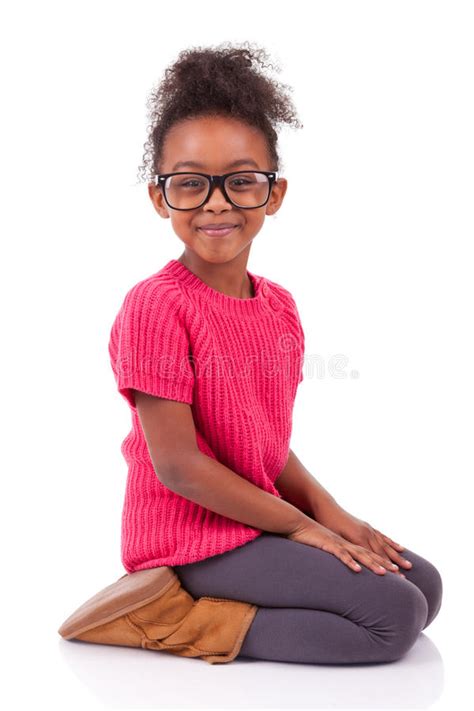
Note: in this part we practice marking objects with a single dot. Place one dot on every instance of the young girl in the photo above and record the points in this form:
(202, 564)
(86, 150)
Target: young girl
(209, 356)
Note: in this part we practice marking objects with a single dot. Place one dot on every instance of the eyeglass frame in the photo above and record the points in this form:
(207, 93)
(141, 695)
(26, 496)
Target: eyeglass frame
(219, 181)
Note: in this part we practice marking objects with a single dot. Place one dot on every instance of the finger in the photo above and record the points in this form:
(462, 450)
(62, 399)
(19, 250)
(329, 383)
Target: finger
(397, 558)
(379, 556)
(381, 564)
(391, 542)
(344, 555)
(383, 554)
(351, 563)
(371, 561)
(393, 554)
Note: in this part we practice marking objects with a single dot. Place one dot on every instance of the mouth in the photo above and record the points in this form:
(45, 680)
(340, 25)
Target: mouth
(219, 232)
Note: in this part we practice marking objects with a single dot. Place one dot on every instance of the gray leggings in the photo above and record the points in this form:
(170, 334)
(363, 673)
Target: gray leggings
(313, 608)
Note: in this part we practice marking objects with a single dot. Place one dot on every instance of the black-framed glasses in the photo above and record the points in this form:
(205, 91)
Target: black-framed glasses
(245, 189)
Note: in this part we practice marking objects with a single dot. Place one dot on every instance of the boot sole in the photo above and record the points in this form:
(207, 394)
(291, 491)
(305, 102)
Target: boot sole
(131, 591)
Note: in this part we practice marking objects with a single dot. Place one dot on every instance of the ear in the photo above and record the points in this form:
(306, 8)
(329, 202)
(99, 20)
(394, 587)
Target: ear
(157, 198)
(279, 189)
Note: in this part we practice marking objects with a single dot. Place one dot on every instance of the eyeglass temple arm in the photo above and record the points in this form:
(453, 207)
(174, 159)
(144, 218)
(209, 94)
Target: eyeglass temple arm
(273, 174)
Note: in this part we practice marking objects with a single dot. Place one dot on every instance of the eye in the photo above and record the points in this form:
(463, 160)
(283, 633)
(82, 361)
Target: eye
(192, 183)
(243, 180)
(240, 181)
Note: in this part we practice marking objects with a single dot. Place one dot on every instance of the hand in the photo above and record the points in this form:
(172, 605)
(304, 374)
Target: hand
(314, 534)
(361, 533)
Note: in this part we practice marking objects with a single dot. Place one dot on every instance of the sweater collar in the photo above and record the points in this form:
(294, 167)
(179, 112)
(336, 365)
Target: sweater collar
(255, 305)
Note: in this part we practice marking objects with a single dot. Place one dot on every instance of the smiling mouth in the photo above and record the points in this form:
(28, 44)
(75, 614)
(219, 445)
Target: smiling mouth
(218, 232)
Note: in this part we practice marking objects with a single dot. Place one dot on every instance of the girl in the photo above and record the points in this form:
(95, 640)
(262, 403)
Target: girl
(209, 356)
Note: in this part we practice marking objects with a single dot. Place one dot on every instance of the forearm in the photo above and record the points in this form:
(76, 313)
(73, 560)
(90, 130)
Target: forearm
(214, 486)
(299, 487)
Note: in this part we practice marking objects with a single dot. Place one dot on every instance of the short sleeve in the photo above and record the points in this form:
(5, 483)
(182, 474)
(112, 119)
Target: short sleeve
(149, 345)
(301, 341)
(302, 347)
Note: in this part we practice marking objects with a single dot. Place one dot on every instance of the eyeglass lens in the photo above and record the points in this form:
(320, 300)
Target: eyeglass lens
(186, 191)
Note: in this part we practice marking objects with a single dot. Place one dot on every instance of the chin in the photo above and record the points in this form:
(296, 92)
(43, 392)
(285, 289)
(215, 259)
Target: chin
(221, 258)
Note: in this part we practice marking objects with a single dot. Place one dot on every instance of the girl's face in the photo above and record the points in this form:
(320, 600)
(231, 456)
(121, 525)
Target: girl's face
(214, 144)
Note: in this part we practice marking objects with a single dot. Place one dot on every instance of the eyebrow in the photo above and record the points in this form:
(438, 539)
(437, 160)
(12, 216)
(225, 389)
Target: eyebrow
(234, 164)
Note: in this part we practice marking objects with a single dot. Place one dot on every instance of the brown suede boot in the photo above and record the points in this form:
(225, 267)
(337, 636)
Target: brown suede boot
(151, 609)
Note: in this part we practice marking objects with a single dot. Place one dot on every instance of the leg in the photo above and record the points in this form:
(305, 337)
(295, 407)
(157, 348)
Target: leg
(288, 634)
(426, 577)
(336, 615)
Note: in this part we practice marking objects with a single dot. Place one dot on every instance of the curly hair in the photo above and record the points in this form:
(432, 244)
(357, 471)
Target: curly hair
(220, 81)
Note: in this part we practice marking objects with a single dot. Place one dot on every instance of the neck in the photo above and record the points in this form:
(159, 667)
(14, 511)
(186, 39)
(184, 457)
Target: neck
(229, 278)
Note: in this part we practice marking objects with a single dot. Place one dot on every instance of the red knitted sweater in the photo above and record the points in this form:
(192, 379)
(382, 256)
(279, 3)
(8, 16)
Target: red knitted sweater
(237, 362)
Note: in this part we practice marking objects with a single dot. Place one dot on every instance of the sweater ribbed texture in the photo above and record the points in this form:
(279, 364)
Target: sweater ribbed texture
(237, 363)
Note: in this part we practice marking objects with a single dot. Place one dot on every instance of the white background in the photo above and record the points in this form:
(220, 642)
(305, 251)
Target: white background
(374, 239)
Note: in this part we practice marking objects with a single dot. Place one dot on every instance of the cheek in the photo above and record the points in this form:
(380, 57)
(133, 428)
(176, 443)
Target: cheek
(183, 223)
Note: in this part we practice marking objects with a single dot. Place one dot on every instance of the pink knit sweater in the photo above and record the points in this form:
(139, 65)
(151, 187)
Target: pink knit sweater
(237, 362)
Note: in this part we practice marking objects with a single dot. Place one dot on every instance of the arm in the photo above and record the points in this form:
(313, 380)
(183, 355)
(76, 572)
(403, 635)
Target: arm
(211, 484)
(300, 488)
(180, 465)
(297, 485)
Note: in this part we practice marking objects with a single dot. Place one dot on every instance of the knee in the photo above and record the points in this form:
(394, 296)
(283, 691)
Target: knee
(426, 577)
(433, 591)
(409, 612)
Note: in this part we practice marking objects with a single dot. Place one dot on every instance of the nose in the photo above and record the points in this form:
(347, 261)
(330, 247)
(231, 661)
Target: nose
(216, 198)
